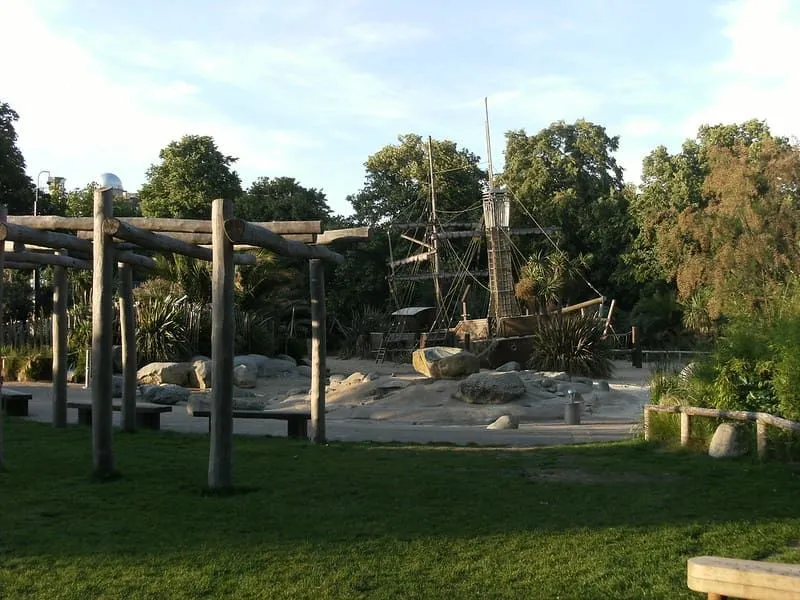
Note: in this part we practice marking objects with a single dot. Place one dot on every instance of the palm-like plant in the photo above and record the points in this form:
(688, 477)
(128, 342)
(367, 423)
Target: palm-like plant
(544, 278)
(573, 343)
(161, 328)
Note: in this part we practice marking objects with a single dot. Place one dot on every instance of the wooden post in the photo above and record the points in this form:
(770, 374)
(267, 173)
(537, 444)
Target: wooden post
(128, 327)
(220, 462)
(60, 292)
(686, 429)
(761, 439)
(318, 327)
(646, 424)
(3, 219)
(102, 331)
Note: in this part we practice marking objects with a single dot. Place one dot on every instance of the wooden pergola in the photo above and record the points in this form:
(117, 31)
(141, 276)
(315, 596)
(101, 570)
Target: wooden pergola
(224, 240)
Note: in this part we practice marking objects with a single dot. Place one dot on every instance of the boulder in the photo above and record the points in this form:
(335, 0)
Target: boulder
(116, 357)
(509, 366)
(394, 384)
(202, 401)
(166, 393)
(491, 388)
(286, 358)
(244, 376)
(265, 366)
(505, 422)
(117, 385)
(353, 379)
(729, 441)
(176, 373)
(304, 371)
(442, 362)
(200, 377)
(601, 386)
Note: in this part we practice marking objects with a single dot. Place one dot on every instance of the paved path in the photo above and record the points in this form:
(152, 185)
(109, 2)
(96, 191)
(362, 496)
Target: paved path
(528, 435)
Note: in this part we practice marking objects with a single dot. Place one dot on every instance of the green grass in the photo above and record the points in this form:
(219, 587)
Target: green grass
(378, 521)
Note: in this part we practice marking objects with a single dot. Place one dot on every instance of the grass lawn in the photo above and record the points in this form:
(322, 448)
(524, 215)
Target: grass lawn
(378, 521)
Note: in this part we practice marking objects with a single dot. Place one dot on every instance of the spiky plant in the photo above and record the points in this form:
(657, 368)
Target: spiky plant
(571, 343)
(254, 332)
(160, 328)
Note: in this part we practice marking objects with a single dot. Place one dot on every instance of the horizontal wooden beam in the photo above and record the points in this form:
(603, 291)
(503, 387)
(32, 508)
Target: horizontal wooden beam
(50, 239)
(426, 224)
(204, 239)
(243, 232)
(38, 258)
(481, 232)
(156, 224)
(131, 258)
(414, 258)
(353, 234)
(9, 264)
(427, 276)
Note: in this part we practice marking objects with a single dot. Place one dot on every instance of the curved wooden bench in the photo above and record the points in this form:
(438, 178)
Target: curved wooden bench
(749, 579)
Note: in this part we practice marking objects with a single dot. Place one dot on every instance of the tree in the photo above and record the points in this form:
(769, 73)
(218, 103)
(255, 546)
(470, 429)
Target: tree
(566, 176)
(79, 202)
(16, 188)
(282, 199)
(397, 184)
(720, 219)
(192, 173)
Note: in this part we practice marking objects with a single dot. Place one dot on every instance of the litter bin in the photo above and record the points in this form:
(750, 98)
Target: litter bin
(573, 409)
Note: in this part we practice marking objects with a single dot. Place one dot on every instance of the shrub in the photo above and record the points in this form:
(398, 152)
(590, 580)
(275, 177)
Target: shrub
(254, 332)
(160, 328)
(571, 343)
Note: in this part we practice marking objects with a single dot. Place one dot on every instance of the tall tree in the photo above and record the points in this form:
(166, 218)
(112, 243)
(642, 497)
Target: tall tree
(192, 173)
(16, 188)
(79, 202)
(567, 176)
(282, 199)
(397, 181)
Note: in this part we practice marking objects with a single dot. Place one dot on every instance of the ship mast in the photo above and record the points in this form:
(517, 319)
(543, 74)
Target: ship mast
(437, 286)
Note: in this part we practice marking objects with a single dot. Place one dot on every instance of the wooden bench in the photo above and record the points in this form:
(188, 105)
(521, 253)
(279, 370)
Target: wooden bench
(148, 415)
(722, 578)
(296, 420)
(15, 404)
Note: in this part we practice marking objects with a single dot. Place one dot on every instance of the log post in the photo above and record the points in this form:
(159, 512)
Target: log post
(686, 429)
(102, 330)
(128, 330)
(60, 292)
(647, 413)
(761, 439)
(220, 463)
(318, 329)
(3, 219)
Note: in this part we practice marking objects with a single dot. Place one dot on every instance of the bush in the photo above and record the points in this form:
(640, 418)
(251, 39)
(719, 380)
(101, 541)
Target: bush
(160, 328)
(571, 343)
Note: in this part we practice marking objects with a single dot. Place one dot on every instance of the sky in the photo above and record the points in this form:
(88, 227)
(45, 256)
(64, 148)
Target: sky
(310, 88)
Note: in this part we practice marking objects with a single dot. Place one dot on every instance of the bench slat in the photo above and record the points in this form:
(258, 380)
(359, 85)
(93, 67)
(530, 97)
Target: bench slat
(752, 579)
(141, 407)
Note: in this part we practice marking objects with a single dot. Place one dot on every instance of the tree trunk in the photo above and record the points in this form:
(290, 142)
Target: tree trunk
(220, 462)
(60, 292)
(3, 218)
(318, 330)
(102, 330)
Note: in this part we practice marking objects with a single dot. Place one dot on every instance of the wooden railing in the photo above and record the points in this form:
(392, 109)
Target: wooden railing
(762, 420)
(722, 578)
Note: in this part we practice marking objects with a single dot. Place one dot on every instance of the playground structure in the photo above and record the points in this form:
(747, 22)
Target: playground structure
(101, 240)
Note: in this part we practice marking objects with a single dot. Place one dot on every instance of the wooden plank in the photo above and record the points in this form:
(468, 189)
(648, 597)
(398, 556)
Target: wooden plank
(102, 336)
(416, 241)
(61, 260)
(127, 326)
(10, 264)
(50, 239)
(480, 232)
(412, 259)
(316, 270)
(220, 462)
(354, 234)
(204, 239)
(157, 224)
(60, 295)
(242, 232)
(426, 224)
(426, 276)
(743, 578)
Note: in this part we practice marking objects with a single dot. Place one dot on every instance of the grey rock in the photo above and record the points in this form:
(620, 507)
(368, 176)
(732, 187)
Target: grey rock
(491, 388)
(372, 376)
(353, 379)
(442, 362)
(304, 370)
(505, 422)
(287, 358)
(244, 376)
(509, 366)
(117, 385)
(729, 441)
(202, 401)
(116, 357)
(166, 393)
(394, 384)
(265, 366)
(200, 377)
(176, 373)
(601, 386)
(304, 361)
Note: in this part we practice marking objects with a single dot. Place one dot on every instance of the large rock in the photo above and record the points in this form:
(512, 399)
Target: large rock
(200, 377)
(509, 367)
(505, 422)
(244, 377)
(117, 385)
(166, 393)
(442, 362)
(202, 401)
(157, 373)
(116, 358)
(264, 366)
(729, 441)
(491, 388)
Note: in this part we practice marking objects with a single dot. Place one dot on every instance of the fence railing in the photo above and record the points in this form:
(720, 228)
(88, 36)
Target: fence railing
(762, 420)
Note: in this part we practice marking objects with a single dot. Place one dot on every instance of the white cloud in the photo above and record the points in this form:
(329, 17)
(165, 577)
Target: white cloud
(759, 78)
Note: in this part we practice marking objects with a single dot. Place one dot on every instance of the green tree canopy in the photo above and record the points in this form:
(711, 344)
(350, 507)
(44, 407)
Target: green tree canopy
(397, 184)
(566, 176)
(282, 199)
(192, 173)
(16, 188)
(79, 202)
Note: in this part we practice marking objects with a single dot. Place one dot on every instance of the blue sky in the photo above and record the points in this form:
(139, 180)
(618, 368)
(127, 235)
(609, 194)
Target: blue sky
(310, 88)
